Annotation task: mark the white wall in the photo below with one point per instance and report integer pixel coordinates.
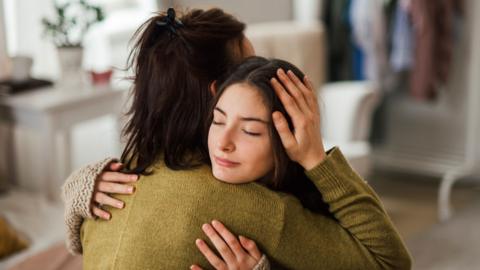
(249, 11)
(3, 44)
(25, 35)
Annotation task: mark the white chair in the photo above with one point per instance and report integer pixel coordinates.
(299, 43)
(347, 109)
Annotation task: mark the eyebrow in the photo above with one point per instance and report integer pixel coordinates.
(243, 118)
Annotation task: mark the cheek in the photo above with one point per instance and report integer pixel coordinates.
(260, 155)
(211, 139)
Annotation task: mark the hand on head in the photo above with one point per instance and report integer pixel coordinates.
(305, 144)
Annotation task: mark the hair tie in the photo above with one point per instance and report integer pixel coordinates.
(170, 22)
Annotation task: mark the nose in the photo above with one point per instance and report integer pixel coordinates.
(225, 141)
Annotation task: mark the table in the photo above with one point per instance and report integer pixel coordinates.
(53, 112)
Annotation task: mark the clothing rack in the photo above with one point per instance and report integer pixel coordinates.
(441, 139)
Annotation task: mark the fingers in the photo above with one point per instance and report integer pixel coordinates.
(104, 199)
(294, 87)
(118, 177)
(309, 84)
(115, 166)
(286, 136)
(288, 101)
(195, 267)
(310, 94)
(219, 243)
(250, 246)
(216, 262)
(229, 238)
(235, 253)
(97, 211)
(109, 187)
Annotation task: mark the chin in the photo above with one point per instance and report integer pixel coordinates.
(228, 177)
(225, 178)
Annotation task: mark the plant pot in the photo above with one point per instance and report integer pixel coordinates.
(70, 59)
(101, 78)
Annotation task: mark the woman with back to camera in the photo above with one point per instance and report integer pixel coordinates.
(180, 196)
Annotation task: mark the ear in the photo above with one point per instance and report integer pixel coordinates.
(213, 88)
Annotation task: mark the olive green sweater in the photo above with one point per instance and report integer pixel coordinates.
(160, 222)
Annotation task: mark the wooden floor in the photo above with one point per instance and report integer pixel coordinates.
(411, 201)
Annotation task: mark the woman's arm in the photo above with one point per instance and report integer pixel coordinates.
(361, 235)
(87, 187)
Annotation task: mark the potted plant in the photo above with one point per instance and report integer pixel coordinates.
(72, 20)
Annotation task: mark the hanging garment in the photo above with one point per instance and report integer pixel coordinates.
(369, 34)
(401, 57)
(432, 22)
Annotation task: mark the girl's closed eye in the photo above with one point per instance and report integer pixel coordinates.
(251, 133)
(217, 122)
(254, 128)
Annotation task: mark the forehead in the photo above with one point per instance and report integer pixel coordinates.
(243, 99)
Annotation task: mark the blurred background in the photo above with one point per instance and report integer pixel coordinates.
(398, 83)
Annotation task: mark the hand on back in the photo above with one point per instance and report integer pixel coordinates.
(111, 181)
(236, 252)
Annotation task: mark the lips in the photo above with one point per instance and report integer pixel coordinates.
(225, 162)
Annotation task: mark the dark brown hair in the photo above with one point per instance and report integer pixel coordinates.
(172, 73)
(287, 175)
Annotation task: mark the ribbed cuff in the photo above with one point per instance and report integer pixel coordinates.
(263, 264)
(334, 177)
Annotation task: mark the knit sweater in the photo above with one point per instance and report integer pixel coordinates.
(77, 195)
(161, 221)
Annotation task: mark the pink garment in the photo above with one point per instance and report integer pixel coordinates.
(433, 23)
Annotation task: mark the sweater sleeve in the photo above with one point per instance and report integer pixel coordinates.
(77, 192)
(359, 236)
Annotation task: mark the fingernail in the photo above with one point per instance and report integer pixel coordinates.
(107, 216)
(198, 241)
(130, 189)
(290, 72)
(205, 227)
(120, 205)
(134, 177)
